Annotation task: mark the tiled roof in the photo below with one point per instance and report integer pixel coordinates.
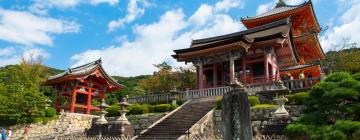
(241, 33)
(83, 70)
(231, 36)
(297, 67)
(80, 70)
(277, 10)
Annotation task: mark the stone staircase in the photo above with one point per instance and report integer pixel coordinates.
(178, 123)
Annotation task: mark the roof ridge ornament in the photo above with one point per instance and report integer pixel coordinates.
(281, 3)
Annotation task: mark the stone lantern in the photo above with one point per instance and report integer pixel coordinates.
(121, 126)
(123, 105)
(281, 111)
(102, 121)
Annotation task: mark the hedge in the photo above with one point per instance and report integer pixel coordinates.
(162, 108)
(297, 98)
(253, 100)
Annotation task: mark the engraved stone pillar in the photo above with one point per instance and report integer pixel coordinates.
(236, 120)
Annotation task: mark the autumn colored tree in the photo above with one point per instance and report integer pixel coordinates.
(344, 57)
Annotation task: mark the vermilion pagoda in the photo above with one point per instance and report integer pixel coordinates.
(282, 40)
(77, 87)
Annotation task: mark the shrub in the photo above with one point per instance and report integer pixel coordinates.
(335, 135)
(138, 109)
(297, 131)
(50, 112)
(253, 100)
(162, 107)
(218, 102)
(338, 77)
(113, 110)
(174, 106)
(356, 76)
(263, 106)
(290, 99)
(300, 98)
(331, 110)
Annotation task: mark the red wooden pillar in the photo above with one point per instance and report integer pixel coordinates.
(266, 67)
(73, 100)
(215, 75)
(57, 100)
(88, 102)
(251, 73)
(243, 66)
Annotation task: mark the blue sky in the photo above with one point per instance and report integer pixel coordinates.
(131, 35)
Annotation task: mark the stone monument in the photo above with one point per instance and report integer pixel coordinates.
(236, 119)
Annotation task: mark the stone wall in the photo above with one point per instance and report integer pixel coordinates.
(259, 117)
(66, 123)
(69, 123)
(141, 122)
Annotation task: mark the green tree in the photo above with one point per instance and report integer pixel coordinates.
(167, 79)
(21, 100)
(331, 110)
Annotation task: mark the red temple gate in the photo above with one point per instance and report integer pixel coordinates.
(78, 87)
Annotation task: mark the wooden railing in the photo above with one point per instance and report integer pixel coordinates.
(292, 85)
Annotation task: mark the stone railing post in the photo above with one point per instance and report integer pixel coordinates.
(187, 92)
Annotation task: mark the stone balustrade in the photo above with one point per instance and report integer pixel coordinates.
(252, 89)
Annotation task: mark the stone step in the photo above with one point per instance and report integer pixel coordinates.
(180, 121)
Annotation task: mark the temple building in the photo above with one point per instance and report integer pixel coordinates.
(282, 41)
(78, 87)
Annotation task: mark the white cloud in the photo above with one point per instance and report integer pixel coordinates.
(27, 29)
(155, 42)
(270, 5)
(111, 2)
(42, 6)
(264, 8)
(135, 9)
(348, 29)
(226, 5)
(13, 55)
(35, 53)
(202, 15)
(7, 51)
